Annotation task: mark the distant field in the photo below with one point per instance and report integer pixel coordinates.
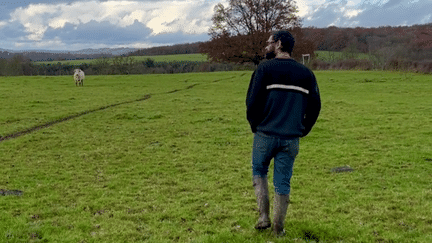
(334, 56)
(166, 158)
(161, 58)
(322, 55)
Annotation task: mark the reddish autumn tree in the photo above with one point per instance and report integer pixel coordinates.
(239, 31)
(303, 44)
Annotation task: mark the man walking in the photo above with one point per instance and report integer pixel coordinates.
(283, 104)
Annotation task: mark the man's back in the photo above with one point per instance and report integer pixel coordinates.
(283, 104)
(283, 99)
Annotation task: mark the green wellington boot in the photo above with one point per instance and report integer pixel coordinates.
(261, 192)
(280, 209)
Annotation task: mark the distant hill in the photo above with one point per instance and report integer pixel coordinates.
(47, 55)
(112, 51)
(187, 48)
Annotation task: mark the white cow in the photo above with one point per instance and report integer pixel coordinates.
(79, 77)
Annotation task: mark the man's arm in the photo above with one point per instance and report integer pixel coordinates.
(255, 100)
(313, 108)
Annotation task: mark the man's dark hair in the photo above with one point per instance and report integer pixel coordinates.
(287, 40)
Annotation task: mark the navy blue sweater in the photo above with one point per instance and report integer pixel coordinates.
(283, 99)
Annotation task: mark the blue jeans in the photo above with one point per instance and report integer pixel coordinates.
(284, 152)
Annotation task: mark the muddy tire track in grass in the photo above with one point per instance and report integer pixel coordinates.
(67, 118)
(73, 116)
(4, 192)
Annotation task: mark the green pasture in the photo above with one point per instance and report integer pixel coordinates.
(175, 167)
(331, 56)
(160, 58)
(321, 55)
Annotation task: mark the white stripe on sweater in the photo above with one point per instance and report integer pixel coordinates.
(282, 86)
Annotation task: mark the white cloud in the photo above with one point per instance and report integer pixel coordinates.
(427, 18)
(168, 19)
(129, 19)
(367, 13)
(302, 7)
(2, 24)
(376, 2)
(340, 11)
(33, 18)
(352, 3)
(350, 13)
(177, 16)
(58, 44)
(82, 24)
(189, 16)
(305, 7)
(336, 22)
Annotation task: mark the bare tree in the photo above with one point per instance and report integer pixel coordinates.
(239, 31)
(245, 17)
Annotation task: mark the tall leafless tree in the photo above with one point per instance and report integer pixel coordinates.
(246, 17)
(239, 31)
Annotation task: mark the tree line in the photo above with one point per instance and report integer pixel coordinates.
(187, 48)
(387, 43)
(389, 48)
(407, 42)
(19, 66)
(121, 65)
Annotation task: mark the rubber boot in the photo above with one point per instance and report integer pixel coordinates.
(261, 192)
(280, 209)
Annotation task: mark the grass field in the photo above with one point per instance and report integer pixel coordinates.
(175, 165)
(161, 58)
(321, 55)
(330, 56)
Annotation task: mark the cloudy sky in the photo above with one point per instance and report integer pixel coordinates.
(78, 24)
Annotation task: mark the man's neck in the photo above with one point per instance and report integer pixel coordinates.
(283, 55)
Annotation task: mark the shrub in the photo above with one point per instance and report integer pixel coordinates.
(317, 64)
(422, 66)
(355, 64)
(149, 62)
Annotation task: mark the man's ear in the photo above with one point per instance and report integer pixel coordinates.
(279, 44)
